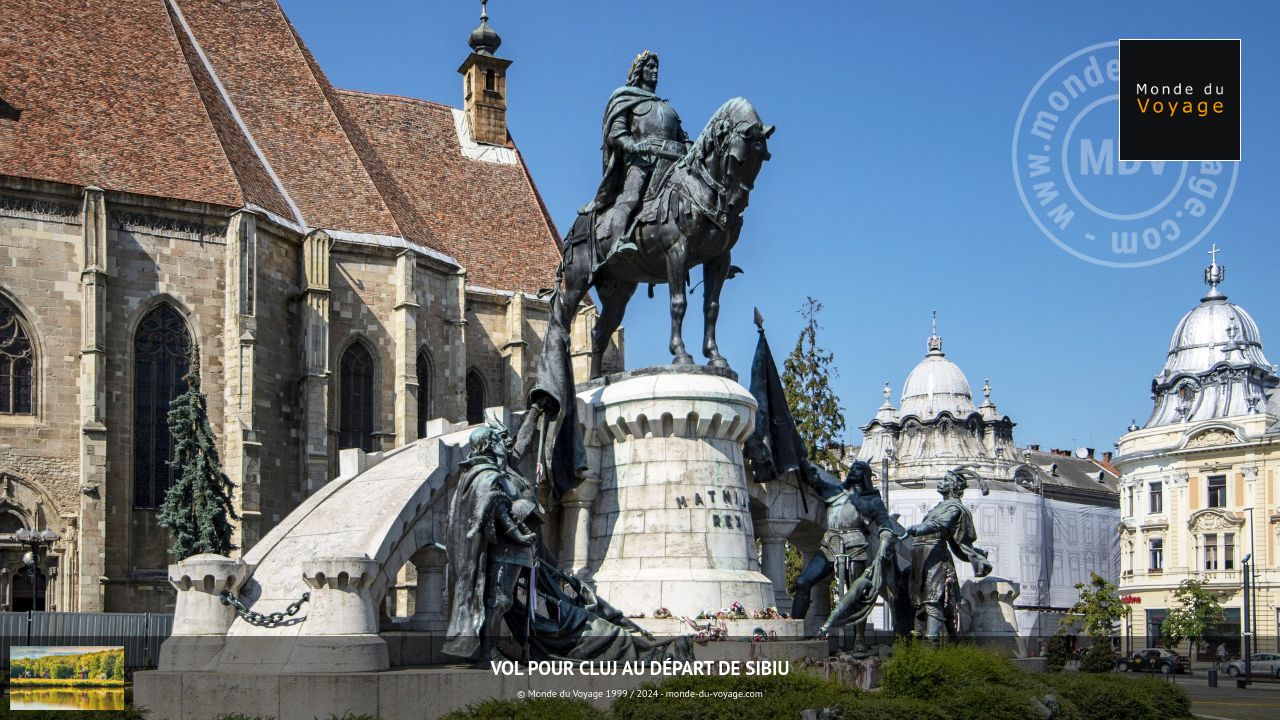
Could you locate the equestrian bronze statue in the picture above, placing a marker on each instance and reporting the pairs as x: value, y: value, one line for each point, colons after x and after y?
x: 665, y: 206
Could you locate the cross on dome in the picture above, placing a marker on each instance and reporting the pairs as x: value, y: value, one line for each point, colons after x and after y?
x: 1214, y: 275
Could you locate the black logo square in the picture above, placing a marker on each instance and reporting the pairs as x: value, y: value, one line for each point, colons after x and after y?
x: 1180, y: 100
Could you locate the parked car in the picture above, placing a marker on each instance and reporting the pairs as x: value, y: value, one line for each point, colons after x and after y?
x: 1263, y: 664
x: 1158, y: 660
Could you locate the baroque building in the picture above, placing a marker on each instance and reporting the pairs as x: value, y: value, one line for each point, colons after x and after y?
x: 178, y: 178
x: 1050, y: 518
x: 1199, y: 492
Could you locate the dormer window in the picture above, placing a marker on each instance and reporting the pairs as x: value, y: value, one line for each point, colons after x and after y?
x: 8, y: 112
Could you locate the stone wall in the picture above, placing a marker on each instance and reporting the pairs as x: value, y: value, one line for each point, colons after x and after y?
x: 148, y: 267
x: 253, y: 364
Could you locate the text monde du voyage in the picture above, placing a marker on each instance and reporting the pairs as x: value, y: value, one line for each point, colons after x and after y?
x: 1179, y: 99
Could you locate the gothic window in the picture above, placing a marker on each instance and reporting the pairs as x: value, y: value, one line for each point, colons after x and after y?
x: 424, y: 392
x: 10, y: 523
x: 1156, y: 549
x: 355, y: 398
x: 17, y: 364
x: 1155, y: 495
x: 475, y: 397
x: 1218, y: 491
x: 161, y: 352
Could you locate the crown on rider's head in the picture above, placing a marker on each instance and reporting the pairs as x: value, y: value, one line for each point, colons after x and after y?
x: 633, y: 76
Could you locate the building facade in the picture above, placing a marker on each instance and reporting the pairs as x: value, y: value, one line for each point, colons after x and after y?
x: 1199, y: 491
x: 1049, y: 520
x: 178, y: 180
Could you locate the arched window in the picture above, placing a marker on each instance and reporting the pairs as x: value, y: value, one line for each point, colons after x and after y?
x: 161, y: 353
x: 475, y: 397
x: 10, y: 523
x: 424, y: 392
x: 17, y: 364
x: 355, y: 398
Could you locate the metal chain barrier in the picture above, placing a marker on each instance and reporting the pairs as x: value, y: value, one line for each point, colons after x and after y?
x: 268, y: 620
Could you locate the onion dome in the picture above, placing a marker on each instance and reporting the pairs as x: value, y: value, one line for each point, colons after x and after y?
x: 1215, y: 366
x: 484, y: 39
x: 936, y: 385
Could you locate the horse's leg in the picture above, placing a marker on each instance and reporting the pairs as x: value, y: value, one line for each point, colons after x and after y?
x: 614, y: 297
x: 714, y: 272
x: 677, y: 269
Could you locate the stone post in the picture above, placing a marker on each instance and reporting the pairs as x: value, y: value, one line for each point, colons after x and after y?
x: 315, y: 359
x: 92, y: 542
x: 200, y: 619
x: 513, y: 353
x: 340, y: 634
x: 429, y: 596
x: 992, y: 617
x: 673, y: 492
x: 242, y: 450
x: 405, y: 328
x: 773, y: 558
x: 575, y: 539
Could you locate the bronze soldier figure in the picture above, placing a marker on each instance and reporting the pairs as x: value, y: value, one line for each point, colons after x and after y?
x: 947, y: 529
x: 855, y: 511
x: 490, y: 544
x: 642, y: 138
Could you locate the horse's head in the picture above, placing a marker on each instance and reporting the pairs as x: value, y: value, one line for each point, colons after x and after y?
x: 732, y: 149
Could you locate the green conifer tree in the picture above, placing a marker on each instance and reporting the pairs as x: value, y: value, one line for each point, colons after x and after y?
x: 815, y: 407
x: 197, y: 508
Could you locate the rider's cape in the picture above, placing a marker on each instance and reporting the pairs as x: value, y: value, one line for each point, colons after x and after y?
x: 622, y: 101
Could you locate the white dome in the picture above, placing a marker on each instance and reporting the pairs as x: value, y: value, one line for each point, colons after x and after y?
x: 936, y: 385
x: 1214, y: 332
x: 1214, y: 367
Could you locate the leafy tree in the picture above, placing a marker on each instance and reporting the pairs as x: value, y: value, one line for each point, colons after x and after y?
x: 806, y: 377
x: 197, y: 508
x: 1195, y: 611
x: 1098, y: 611
x: 1099, y: 608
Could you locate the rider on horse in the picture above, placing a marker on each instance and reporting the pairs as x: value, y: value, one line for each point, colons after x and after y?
x: 642, y: 140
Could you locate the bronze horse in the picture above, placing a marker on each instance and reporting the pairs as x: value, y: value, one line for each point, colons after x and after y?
x: 691, y: 218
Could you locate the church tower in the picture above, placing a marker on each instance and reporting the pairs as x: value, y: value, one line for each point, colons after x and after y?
x: 484, y: 84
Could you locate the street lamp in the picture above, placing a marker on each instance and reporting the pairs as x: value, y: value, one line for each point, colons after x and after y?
x: 1248, y: 651
x: 37, y: 541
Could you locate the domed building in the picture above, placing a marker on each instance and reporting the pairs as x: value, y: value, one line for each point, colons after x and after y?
x: 1051, y: 515
x: 1198, y: 490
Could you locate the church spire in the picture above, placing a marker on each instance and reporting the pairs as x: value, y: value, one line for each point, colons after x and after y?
x: 484, y: 84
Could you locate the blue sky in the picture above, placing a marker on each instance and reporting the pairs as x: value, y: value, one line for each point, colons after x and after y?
x: 890, y: 191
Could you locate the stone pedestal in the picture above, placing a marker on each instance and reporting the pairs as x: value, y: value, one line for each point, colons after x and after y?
x: 200, y: 619
x: 993, y: 620
x: 341, y: 630
x: 671, y: 526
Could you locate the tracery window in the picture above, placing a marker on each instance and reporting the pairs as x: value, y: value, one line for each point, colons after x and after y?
x: 424, y: 392
x: 161, y: 356
x: 17, y: 364
x: 355, y: 402
x: 475, y: 397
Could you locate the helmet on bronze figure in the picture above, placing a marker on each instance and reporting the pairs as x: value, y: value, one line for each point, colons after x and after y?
x: 858, y: 479
x: 491, y: 439
x: 956, y: 481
